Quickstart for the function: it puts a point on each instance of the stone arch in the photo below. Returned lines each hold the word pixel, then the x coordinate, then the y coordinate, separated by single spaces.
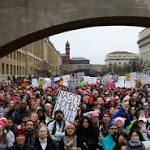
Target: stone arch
pixel 25 21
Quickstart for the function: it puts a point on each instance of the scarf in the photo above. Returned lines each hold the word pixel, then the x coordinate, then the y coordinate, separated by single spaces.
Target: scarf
pixel 43 143
pixel 135 143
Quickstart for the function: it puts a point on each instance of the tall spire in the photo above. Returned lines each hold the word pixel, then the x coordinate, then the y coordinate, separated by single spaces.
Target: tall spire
pixel 68 52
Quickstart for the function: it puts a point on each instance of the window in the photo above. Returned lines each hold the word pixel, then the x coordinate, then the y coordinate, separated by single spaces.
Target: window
pixel 7 69
pixel 3 68
pixel 14 70
pixel 17 70
pixel 20 70
pixel 11 70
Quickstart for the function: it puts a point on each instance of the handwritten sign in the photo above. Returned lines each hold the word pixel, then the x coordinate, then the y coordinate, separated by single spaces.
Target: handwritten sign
pixel 72 84
pixel 68 103
pixel 35 83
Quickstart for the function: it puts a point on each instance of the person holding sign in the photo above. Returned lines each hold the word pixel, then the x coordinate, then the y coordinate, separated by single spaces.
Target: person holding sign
pixel 56 129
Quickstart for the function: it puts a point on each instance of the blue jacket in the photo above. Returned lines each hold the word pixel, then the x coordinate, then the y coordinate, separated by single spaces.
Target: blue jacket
pixel 108 143
pixel 124 114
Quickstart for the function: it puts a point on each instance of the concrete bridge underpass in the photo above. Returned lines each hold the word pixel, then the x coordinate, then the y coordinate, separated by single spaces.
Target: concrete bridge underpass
pixel 89 69
pixel 25 21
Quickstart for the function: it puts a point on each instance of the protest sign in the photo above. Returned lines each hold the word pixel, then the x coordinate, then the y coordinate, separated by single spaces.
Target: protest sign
pixel 56 79
pixel 35 83
pixel 68 103
pixel 66 78
pixel 79 75
pixel 90 80
pixel 128 78
pixel 133 76
pixel 130 84
pixel 72 84
pixel 41 82
pixel 47 83
pixel 120 83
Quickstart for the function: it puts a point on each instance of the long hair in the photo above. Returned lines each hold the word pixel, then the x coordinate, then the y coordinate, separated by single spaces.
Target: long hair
pixel 44 126
pixel 3 138
pixel 90 130
pixel 138 133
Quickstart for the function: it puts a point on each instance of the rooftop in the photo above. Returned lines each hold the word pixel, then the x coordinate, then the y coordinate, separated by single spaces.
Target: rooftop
pixel 63 54
pixel 79 58
pixel 120 52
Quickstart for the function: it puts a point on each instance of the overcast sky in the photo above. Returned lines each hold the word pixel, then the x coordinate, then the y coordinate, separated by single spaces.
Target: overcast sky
pixel 94 43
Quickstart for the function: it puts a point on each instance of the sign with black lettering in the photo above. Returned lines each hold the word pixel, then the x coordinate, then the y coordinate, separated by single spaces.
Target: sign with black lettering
pixel 68 103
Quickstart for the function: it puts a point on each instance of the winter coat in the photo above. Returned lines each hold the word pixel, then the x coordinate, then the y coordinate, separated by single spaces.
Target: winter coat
pixel 24 147
pixel 70 144
pixel 57 131
pixel 108 143
pixel 132 145
pixel 30 137
pixel 122 113
pixel 10 138
pixel 87 140
pixel 50 145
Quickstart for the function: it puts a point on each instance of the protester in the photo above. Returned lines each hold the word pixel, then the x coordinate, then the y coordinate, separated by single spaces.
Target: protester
pixel 44 140
pixel 70 139
pixel 87 135
pixel 56 129
pixel 109 141
pixel 102 119
pixel 20 142
pixel 30 132
pixel 135 141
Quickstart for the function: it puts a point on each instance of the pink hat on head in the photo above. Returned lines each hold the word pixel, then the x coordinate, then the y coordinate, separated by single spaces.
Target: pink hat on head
pixel 2 123
pixel 119 119
pixel 97 110
pixel 69 125
pixel 94 114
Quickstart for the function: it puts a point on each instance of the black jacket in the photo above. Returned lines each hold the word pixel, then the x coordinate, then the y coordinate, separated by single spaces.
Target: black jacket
pixel 25 147
pixel 90 138
pixel 50 145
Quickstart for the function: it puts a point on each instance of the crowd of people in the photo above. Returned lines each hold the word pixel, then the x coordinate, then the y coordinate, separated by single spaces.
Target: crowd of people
pixel 107 119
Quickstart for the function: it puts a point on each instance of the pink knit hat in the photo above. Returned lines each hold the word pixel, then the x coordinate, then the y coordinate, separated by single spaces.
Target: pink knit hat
pixel 119 119
pixel 69 125
pixel 94 114
pixel 3 121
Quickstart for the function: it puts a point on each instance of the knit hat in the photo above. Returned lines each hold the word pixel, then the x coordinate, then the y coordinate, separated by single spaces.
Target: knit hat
pixel 47 105
pixel 111 126
pixel 94 114
pixel 69 125
pixel 3 121
pixel 49 98
pixel 91 100
pixel 142 119
pixel 119 119
pixel 125 101
pixel 58 111
pixel 20 132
